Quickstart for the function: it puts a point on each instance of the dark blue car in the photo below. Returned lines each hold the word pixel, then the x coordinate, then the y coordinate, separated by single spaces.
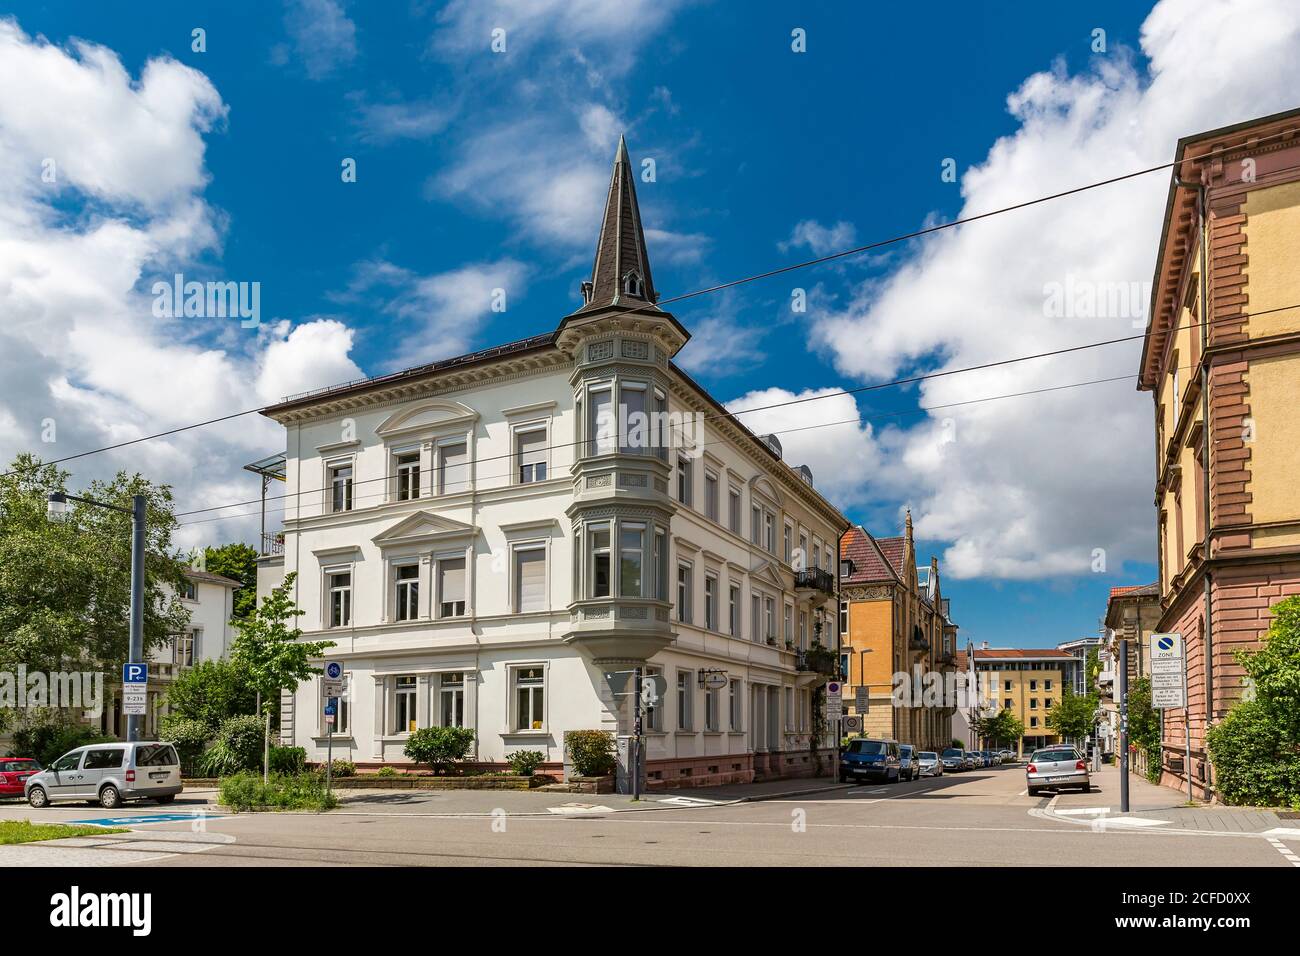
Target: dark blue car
pixel 865 759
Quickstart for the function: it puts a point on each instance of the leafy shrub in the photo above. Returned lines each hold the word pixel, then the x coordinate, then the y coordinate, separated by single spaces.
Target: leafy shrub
pixel 238 747
pixel 343 768
pixel 301 791
pixel 211 692
pixel 525 762
pixel 189 736
pixel 288 760
pixel 439 747
pixel 50 734
pixel 1254 763
pixel 591 751
pixel 386 772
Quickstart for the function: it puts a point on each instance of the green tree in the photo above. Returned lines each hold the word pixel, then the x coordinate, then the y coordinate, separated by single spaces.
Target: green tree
pixel 65 587
pixel 1072 716
pixel 1001 727
pixel 1256 748
pixel 212 692
pixel 238 561
pixel 1144 725
pixel 271 652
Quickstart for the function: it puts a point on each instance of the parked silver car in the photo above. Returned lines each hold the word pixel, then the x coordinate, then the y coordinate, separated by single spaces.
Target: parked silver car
pixel 929 764
pixel 954 759
pixel 1057 767
pixel 108 774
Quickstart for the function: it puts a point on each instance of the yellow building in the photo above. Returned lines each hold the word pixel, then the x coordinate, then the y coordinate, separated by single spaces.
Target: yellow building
pixel 1027 681
pixel 1221 359
pixel 894 621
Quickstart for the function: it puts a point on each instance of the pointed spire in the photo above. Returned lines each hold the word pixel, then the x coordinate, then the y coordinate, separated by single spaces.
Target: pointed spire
pixel 620 274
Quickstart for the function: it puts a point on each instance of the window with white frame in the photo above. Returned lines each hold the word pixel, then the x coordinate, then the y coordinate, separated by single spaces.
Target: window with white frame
pixel 684 480
pixel 598 547
pixel 340 598
pixel 756 618
pixel 769 618
pixel 451 587
pixel 530 449
pixel 769 531
pixel 404 709
pixel 733 510
pixel 340 485
pixel 406 475
pixel 661 424
pixel 803 629
pixel 711 601
pixel 654 713
pixel 453 468
pixel 787 632
pixel 787 545
pixel 685 719
pixel 635 427
pixel 529 698
pixel 844 617
pixel 631 552
pixel 801 563
pixel 789 708
pixel 684 593
pixel 183 648
pixel 817 554
pixel 189 590
pixel 711 496
pixel 711 709
pixel 755 524
pixel 804 705
pixel 406 604
pixel 530 578
pixel 451 699
pixel 733 610
pixel 602 425
pixel 735 691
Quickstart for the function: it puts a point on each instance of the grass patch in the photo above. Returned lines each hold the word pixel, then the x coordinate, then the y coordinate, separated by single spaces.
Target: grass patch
pixel 24 831
pixel 302 791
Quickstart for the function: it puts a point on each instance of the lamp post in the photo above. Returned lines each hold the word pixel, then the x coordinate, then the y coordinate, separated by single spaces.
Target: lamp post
pixel 57 510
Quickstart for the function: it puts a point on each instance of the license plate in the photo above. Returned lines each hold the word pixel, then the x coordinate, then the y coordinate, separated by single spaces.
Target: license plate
pixel 1058 778
pixel 159 776
pixel 860 770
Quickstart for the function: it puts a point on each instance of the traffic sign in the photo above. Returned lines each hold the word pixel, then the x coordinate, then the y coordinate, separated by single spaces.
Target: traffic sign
pixel 853 724
pixel 862 699
pixel 834 700
pixel 1168 656
pixel 135 673
pixel 332 679
pixel 135 700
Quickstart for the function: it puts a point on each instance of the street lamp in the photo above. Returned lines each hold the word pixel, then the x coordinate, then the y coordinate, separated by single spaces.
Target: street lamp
pixel 56 510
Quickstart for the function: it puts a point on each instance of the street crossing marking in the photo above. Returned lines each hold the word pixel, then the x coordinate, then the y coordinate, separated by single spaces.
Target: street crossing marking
pixel 1284 850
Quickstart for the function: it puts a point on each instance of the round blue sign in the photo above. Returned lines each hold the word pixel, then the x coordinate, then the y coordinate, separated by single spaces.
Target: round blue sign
pixel 333 670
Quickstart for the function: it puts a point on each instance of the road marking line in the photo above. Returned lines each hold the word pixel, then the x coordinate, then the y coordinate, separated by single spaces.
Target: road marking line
pixel 1084 810
pixel 1285 833
pixel 1285 851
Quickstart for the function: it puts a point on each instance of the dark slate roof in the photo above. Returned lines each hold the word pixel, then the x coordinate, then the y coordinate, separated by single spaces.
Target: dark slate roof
pixel 621 247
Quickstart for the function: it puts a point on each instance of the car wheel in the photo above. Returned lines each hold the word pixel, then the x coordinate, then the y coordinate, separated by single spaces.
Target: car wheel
pixel 843 779
pixel 1087 788
pixel 168 798
pixel 109 797
pixel 1033 791
pixel 37 797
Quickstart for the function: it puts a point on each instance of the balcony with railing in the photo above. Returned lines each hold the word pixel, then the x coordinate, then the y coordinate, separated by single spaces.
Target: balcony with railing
pixel 814 585
pixel 272 543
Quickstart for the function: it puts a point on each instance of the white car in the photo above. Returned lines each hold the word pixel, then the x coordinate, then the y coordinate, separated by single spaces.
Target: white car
pixel 929 764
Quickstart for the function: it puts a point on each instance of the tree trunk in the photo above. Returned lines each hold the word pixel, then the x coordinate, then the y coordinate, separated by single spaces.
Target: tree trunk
pixel 266 748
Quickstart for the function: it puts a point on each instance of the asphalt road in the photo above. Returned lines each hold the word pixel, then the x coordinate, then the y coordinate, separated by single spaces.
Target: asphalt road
pixel 978 818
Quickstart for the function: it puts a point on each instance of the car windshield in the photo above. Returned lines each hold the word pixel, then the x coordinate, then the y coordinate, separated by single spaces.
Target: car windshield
pixel 17 766
pixel 866 747
pixel 1051 756
pixel 905 750
pixel 927 755
pixel 952 753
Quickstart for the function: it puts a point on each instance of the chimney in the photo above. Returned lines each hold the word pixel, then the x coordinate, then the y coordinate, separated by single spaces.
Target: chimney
pixel 984 646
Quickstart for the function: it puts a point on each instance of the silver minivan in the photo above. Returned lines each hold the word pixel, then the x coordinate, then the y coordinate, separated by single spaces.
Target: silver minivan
pixel 108 774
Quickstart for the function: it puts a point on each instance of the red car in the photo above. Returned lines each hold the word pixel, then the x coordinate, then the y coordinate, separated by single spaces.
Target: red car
pixel 14 772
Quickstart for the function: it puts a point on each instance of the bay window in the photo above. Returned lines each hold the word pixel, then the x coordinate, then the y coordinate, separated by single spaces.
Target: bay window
pixel 661 565
pixel 598 536
pixel 602 427
pixel 631 544
pixel 634 428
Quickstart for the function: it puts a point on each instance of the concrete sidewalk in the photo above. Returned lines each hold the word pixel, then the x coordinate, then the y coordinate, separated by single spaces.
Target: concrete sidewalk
pixel 1155 806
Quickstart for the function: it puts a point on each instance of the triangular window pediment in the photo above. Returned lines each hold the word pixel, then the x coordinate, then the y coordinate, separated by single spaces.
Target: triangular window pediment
pixel 423 526
pixel 768 573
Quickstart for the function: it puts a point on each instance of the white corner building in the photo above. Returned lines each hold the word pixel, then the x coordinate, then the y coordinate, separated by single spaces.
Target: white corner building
pixel 486 538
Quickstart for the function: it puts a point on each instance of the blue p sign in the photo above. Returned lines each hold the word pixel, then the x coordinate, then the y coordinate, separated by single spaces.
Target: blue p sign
pixel 135 673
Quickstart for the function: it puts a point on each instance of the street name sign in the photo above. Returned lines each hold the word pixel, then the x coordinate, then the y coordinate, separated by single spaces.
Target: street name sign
pixel 1168 657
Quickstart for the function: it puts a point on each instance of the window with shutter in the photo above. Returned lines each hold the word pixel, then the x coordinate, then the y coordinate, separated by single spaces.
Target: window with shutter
pixel 532 455
pixel 453 468
pixel 530 577
pixel 451 587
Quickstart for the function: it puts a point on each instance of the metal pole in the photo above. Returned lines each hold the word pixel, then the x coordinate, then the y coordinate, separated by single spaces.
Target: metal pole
pixel 1123 726
pixel 329 745
pixel 1187 728
pixel 636 733
pixel 135 653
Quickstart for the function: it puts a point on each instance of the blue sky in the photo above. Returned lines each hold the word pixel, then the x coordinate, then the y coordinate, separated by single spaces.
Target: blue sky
pixel 479 169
